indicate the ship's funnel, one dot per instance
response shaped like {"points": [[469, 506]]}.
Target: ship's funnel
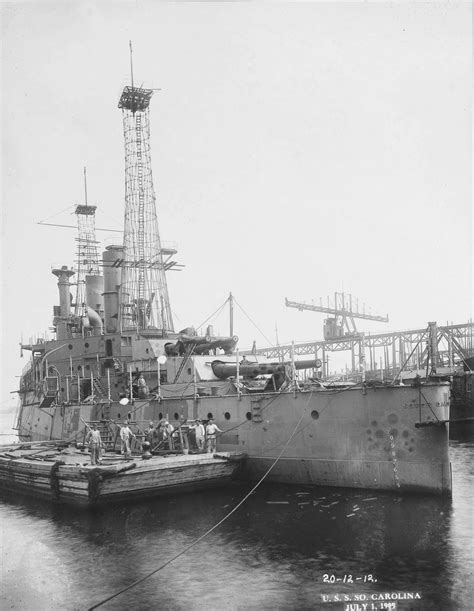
{"points": [[63, 274], [61, 321], [112, 259]]}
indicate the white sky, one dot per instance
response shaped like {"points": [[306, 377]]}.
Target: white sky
{"points": [[298, 149]]}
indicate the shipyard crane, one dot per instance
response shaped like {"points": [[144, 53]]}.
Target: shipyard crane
{"points": [[344, 310]]}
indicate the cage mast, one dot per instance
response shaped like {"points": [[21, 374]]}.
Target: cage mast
{"points": [[144, 291], [87, 252]]}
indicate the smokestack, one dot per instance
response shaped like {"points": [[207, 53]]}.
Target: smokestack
{"points": [[61, 322], [112, 259], [64, 285]]}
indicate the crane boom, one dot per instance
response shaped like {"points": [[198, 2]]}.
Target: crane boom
{"points": [[342, 321], [334, 311]]}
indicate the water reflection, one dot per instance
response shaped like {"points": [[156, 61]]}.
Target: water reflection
{"points": [[275, 551]]}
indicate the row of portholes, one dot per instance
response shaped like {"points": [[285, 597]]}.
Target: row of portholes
{"points": [[209, 416], [86, 345], [248, 415]]}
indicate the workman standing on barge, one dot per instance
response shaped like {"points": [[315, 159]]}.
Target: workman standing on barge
{"points": [[149, 432], [200, 434], [211, 434], [95, 444], [126, 435]]}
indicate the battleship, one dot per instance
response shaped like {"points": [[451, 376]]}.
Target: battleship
{"points": [[116, 356]]}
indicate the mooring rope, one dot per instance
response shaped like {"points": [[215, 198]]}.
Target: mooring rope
{"points": [[208, 532]]}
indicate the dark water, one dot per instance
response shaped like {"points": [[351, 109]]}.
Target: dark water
{"points": [[273, 553]]}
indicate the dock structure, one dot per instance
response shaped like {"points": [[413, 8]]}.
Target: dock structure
{"points": [[384, 354]]}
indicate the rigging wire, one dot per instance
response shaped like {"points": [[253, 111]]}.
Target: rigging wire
{"points": [[254, 324], [215, 314], [208, 532], [176, 317], [57, 213]]}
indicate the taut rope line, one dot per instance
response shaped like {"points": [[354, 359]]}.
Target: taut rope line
{"points": [[208, 532]]}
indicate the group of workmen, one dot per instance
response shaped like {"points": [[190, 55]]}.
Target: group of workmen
{"points": [[205, 437]]}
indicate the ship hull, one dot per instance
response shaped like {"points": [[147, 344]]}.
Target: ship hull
{"points": [[362, 437]]}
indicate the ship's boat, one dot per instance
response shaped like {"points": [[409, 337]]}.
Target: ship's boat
{"points": [[116, 356]]}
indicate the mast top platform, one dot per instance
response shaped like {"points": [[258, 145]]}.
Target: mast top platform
{"points": [[85, 209], [135, 98]]}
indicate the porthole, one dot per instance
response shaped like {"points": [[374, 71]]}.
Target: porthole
{"points": [[79, 367], [70, 346], [314, 414], [248, 415], [209, 415], [118, 416], [160, 416], [86, 344], [176, 416], [227, 416]]}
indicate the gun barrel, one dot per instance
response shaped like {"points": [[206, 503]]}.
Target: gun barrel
{"points": [[225, 343], [224, 370]]}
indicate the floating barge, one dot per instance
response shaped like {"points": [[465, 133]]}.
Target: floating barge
{"points": [[66, 476]]}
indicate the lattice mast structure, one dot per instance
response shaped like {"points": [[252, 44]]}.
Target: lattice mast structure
{"points": [[144, 291], [87, 251]]}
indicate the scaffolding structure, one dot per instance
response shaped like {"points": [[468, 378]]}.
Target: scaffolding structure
{"points": [[87, 254], [382, 355], [144, 292]]}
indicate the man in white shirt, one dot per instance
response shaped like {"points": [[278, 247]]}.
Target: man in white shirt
{"points": [[211, 434], [168, 430], [95, 443], [126, 436], [149, 433], [143, 391], [200, 433]]}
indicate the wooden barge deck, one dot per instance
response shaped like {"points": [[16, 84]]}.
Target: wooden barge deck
{"points": [[67, 476]]}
